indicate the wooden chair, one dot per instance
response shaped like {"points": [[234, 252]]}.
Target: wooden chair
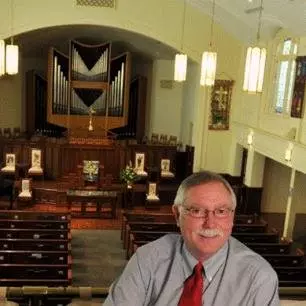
{"points": [[25, 192], [152, 199], [36, 169], [165, 166], [10, 164]]}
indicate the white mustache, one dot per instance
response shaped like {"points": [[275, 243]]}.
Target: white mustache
{"points": [[212, 232]]}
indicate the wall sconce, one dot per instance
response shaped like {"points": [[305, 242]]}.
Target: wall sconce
{"points": [[288, 152], [250, 138]]}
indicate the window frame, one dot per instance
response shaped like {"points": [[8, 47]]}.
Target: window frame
{"points": [[278, 58]]}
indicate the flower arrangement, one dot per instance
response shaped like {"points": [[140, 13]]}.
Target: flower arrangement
{"points": [[128, 174], [90, 169]]}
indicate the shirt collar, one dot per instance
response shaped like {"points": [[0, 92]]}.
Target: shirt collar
{"points": [[211, 266]]}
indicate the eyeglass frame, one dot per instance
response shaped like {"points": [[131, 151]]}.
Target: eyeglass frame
{"points": [[205, 212]]}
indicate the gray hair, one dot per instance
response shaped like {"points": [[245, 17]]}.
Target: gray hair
{"points": [[201, 178]]}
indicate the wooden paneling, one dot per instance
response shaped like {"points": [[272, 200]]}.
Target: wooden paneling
{"points": [[61, 158]]}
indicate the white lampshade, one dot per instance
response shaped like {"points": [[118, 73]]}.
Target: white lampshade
{"points": [[208, 68], [2, 57], [180, 67], [11, 64], [254, 69]]}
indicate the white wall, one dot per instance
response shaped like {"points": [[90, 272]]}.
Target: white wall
{"points": [[166, 104], [189, 98]]}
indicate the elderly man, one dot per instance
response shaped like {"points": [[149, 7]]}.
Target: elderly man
{"points": [[202, 266]]}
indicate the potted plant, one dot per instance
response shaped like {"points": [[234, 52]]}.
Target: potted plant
{"points": [[128, 175]]}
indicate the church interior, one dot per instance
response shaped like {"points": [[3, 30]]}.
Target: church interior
{"points": [[107, 105]]}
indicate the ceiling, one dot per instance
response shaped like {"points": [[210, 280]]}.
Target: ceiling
{"points": [[239, 17], [36, 43]]}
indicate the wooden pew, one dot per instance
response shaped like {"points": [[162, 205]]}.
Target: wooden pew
{"points": [[35, 244], [291, 276], [247, 219], [137, 237], [269, 237], [35, 257], [35, 248], [250, 228], [24, 233], [142, 236], [286, 260], [129, 216], [147, 226], [33, 274], [283, 247], [245, 223], [33, 215], [35, 224]]}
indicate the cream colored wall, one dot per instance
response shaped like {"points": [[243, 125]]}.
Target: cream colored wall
{"points": [[189, 96], [166, 110], [299, 194], [10, 102], [275, 187]]}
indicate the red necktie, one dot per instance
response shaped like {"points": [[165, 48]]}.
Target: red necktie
{"points": [[193, 288]]}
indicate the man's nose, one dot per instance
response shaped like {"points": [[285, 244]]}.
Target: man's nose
{"points": [[209, 218]]}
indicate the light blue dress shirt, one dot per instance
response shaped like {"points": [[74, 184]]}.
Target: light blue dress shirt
{"points": [[155, 275]]}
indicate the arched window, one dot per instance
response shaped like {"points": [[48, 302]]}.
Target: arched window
{"points": [[284, 75]]}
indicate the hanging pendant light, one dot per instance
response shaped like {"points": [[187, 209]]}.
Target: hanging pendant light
{"points": [[11, 59], [255, 64], [2, 57], [180, 67], [180, 63], [209, 59], [12, 51]]}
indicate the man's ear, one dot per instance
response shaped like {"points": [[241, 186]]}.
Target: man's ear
{"points": [[176, 213]]}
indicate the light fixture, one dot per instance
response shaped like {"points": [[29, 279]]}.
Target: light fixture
{"points": [[209, 58], [288, 152], [250, 138], [180, 65], [12, 51], [255, 63], [11, 59], [2, 57]]}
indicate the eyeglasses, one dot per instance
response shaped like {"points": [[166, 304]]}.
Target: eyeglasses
{"points": [[195, 212]]}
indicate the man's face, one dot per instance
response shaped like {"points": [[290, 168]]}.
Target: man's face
{"points": [[205, 235]]}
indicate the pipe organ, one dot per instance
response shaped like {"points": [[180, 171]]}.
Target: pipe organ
{"points": [[60, 84], [87, 90], [36, 107]]}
